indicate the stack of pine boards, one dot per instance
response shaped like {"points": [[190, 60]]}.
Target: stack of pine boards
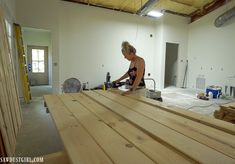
{"points": [[226, 112], [10, 113], [105, 127]]}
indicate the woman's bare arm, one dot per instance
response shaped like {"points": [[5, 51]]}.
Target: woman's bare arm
{"points": [[140, 65], [122, 78]]}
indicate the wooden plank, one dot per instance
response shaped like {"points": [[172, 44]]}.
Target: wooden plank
{"points": [[14, 88], [5, 121], [13, 91], [219, 114], [2, 147], [10, 114], [114, 145], [153, 149], [4, 132], [10, 107], [232, 105], [218, 124], [7, 73], [77, 141], [56, 158], [188, 146], [228, 110], [214, 138]]}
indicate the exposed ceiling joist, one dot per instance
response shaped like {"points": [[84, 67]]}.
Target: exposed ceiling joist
{"points": [[207, 9], [185, 3], [188, 8]]}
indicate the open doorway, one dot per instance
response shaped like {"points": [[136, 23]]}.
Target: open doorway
{"points": [[171, 64], [39, 60]]}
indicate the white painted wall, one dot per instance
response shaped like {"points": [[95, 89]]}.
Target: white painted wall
{"points": [[158, 55], [8, 9], [90, 42], [175, 30], [211, 50], [86, 40], [43, 14], [38, 37]]}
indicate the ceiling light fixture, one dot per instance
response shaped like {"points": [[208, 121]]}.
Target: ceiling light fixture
{"points": [[146, 7], [155, 14]]}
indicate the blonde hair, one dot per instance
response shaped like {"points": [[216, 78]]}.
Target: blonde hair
{"points": [[127, 48]]}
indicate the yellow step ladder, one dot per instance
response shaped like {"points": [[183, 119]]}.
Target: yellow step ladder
{"points": [[22, 64]]}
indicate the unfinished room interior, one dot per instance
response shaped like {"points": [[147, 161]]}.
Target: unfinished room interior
{"points": [[117, 81]]}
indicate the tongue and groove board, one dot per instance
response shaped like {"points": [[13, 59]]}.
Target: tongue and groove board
{"points": [[209, 136], [79, 144], [10, 112], [105, 127], [218, 124], [152, 148]]}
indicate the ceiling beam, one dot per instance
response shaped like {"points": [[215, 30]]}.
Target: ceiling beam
{"points": [[186, 4], [207, 9], [176, 13], [104, 7], [123, 4]]}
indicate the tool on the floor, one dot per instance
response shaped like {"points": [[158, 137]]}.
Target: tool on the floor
{"points": [[185, 74], [202, 96], [215, 90], [71, 85]]}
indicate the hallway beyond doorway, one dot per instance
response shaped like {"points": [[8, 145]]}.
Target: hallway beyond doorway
{"points": [[39, 91]]}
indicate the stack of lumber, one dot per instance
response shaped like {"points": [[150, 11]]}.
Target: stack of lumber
{"points": [[10, 113], [226, 112], [106, 127], [2, 149]]}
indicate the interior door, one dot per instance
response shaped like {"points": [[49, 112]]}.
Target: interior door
{"points": [[38, 65], [171, 64]]}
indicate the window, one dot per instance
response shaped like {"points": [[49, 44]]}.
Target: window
{"points": [[38, 65]]}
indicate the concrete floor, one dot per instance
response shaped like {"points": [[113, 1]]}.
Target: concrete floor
{"points": [[38, 135]]}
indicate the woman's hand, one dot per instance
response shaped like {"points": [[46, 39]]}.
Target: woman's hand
{"points": [[116, 81], [127, 92]]}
